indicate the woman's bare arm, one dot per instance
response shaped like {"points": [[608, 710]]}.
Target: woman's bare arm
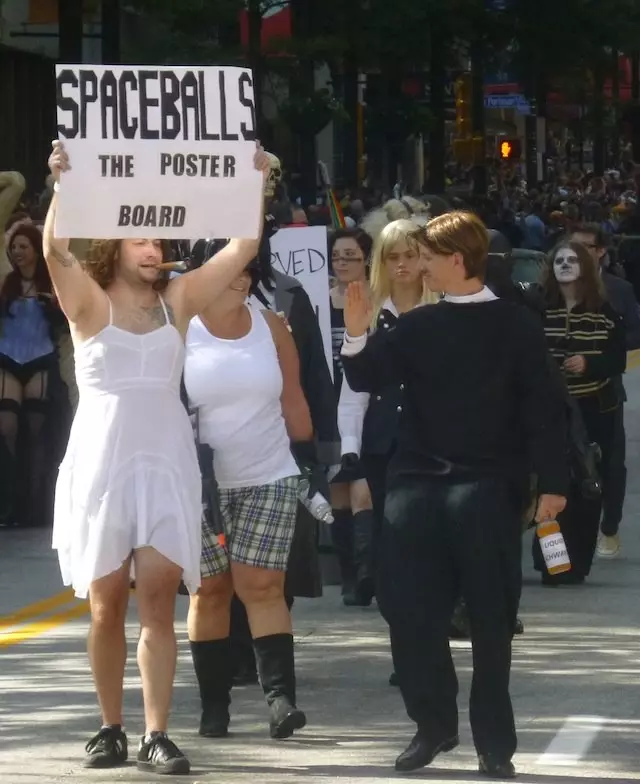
{"points": [[294, 404], [194, 291]]}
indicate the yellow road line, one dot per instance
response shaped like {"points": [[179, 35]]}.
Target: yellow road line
{"points": [[45, 625], [36, 609]]}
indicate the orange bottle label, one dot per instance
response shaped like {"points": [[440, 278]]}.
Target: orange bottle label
{"points": [[553, 546]]}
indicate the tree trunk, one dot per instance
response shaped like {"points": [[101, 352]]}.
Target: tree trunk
{"points": [[615, 90], [351, 68], [303, 85], [254, 56], [438, 80], [478, 114], [71, 31], [598, 118], [111, 32]]}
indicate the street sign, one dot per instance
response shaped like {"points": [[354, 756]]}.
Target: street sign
{"points": [[515, 101]]}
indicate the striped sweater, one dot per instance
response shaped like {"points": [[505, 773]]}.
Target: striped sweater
{"points": [[597, 336]]}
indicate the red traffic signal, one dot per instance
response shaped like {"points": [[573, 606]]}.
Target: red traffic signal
{"points": [[509, 149]]}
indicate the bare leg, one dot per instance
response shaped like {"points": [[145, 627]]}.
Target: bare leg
{"points": [[109, 598], [262, 593], [209, 609], [157, 581]]}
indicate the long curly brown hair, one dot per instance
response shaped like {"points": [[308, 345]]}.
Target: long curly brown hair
{"points": [[101, 258]]}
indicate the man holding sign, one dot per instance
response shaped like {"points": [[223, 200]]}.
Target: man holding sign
{"points": [[129, 490]]}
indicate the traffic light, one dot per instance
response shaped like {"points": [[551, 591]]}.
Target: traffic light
{"points": [[509, 149], [463, 106]]}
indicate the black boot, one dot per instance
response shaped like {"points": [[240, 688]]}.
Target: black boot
{"points": [[363, 591], [243, 660], [274, 656], [212, 663], [342, 538]]}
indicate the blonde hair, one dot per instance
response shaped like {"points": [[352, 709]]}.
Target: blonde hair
{"points": [[407, 208], [379, 282]]}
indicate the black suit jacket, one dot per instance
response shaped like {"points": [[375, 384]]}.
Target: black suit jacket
{"points": [[623, 300]]}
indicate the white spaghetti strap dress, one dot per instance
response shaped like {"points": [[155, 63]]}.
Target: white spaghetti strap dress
{"points": [[130, 476]]}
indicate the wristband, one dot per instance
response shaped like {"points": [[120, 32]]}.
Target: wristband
{"points": [[56, 187]]}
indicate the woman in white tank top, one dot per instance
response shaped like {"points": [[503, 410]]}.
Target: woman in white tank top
{"points": [[242, 376]]}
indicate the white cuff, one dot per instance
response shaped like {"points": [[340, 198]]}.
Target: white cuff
{"points": [[350, 446], [352, 346], [56, 187]]}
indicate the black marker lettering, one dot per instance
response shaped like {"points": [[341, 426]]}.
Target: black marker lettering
{"points": [[169, 114], [103, 164], [320, 261], [229, 165], [88, 94], [165, 162], [225, 135], [192, 165], [137, 216], [147, 103], [67, 77], [151, 218], [125, 215], [128, 127], [245, 88], [109, 103], [204, 131], [190, 103], [165, 216], [298, 264]]}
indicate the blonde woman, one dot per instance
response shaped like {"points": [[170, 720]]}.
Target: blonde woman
{"points": [[367, 423], [350, 250]]}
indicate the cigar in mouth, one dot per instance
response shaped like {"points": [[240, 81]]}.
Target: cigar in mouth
{"points": [[173, 266]]}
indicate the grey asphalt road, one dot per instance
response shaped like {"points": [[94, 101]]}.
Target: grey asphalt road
{"points": [[576, 681]]}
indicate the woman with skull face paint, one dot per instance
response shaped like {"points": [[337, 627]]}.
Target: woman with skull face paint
{"points": [[587, 338]]}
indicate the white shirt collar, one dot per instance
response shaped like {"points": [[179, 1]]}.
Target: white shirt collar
{"points": [[388, 305], [486, 295]]}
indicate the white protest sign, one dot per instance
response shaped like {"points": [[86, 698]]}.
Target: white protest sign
{"points": [[302, 254], [163, 153]]}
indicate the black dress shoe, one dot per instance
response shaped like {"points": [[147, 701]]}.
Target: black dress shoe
{"points": [[422, 751], [393, 679], [495, 768]]}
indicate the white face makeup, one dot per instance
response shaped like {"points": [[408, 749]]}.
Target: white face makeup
{"points": [[566, 266]]}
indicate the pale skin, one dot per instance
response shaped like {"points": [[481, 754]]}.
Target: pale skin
{"points": [[444, 273], [260, 590], [577, 364], [348, 263], [136, 308]]}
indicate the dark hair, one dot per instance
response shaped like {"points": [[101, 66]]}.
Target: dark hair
{"points": [[364, 241], [600, 236], [12, 287], [100, 263], [591, 292]]}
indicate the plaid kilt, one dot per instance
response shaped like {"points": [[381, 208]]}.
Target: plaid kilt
{"points": [[258, 523]]}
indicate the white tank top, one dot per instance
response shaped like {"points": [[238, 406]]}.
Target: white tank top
{"points": [[236, 385]]}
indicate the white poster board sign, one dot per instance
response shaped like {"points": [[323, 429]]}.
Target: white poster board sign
{"points": [[302, 254], [163, 153]]}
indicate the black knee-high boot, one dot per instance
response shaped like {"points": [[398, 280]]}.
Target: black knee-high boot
{"points": [[363, 526], [212, 663], [342, 538], [274, 656], [243, 660]]}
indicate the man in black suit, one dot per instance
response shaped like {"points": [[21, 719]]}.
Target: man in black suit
{"points": [[623, 300]]}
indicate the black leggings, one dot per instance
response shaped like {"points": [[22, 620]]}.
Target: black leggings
{"points": [[24, 402]]}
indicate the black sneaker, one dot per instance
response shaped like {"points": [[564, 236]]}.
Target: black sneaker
{"points": [[107, 749], [160, 755]]}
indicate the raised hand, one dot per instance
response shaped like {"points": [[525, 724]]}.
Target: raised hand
{"points": [[58, 160], [261, 161], [358, 310]]}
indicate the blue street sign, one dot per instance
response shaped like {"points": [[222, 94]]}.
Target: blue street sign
{"points": [[510, 101]]}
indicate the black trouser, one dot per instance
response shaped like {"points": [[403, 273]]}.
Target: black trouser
{"points": [[375, 469], [440, 538], [614, 471]]}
